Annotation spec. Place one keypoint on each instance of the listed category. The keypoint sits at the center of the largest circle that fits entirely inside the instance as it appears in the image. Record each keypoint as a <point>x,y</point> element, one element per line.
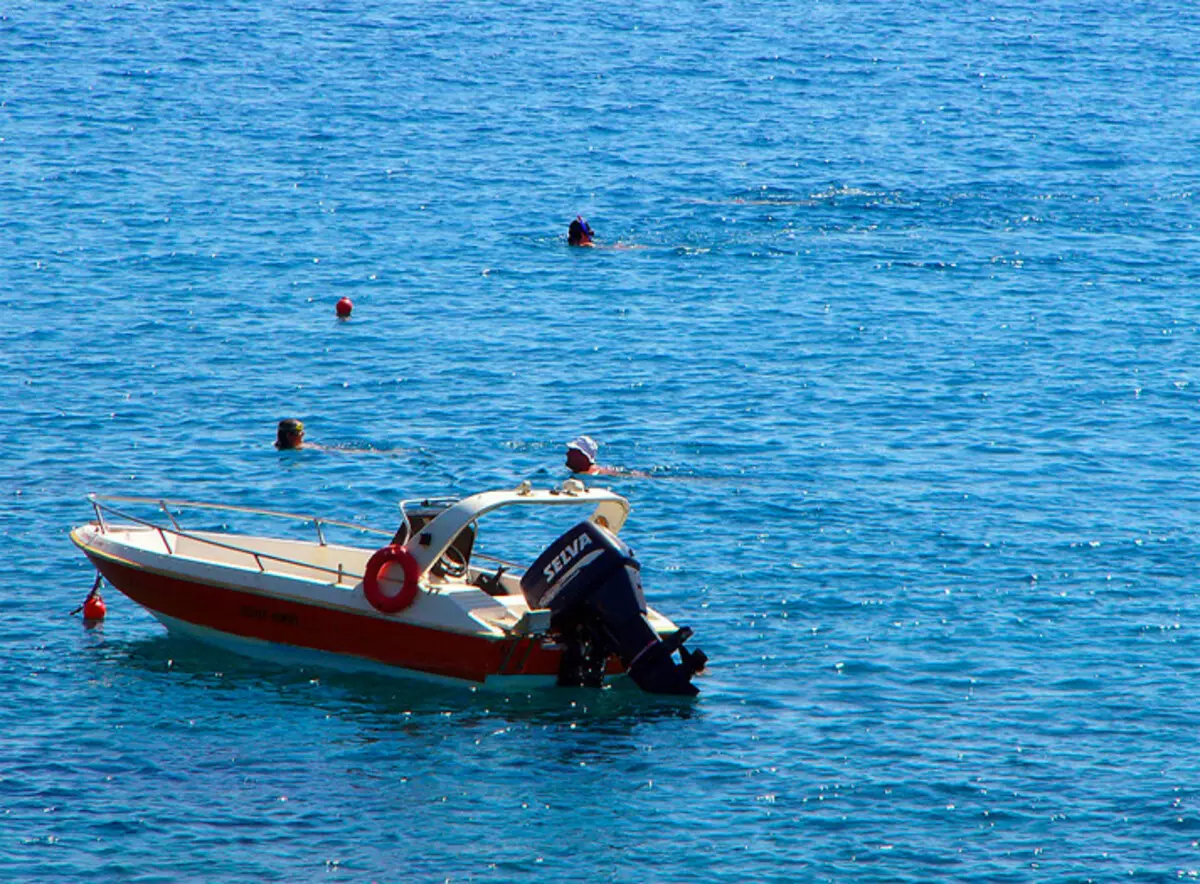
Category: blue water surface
<point>907,333</point>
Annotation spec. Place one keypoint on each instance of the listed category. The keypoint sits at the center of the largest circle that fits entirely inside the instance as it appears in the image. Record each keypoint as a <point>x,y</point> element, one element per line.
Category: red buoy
<point>94,608</point>
<point>344,308</point>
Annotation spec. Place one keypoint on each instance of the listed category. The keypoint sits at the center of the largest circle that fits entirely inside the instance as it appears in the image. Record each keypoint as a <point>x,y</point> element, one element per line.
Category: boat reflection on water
<point>377,703</point>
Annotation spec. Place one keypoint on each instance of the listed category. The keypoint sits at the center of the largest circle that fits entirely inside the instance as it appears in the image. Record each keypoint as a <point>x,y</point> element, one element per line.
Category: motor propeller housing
<point>592,584</point>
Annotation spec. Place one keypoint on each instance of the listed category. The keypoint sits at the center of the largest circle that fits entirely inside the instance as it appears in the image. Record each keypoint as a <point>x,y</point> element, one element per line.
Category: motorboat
<point>425,600</point>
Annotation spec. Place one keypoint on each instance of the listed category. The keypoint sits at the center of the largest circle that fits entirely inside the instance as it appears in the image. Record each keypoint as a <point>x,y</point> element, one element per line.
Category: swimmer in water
<point>290,437</point>
<point>581,459</point>
<point>579,233</point>
<point>290,434</point>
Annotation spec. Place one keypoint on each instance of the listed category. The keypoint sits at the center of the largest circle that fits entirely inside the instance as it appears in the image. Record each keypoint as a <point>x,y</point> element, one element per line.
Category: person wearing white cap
<point>581,458</point>
<point>581,454</point>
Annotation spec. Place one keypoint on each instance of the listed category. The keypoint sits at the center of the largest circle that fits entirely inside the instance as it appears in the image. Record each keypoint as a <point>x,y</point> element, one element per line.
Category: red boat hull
<point>380,639</point>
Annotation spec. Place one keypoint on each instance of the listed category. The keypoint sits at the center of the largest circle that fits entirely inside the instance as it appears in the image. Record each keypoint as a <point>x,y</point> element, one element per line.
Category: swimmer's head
<point>290,434</point>
<point>579,233</point>
<point>581,454</point>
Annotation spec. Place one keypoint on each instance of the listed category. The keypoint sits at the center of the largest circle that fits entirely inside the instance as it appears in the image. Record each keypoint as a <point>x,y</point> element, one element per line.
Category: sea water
<point>905,330</point>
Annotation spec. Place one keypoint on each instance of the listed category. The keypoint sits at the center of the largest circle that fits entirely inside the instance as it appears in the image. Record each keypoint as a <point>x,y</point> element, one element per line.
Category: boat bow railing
<point>104,504</point>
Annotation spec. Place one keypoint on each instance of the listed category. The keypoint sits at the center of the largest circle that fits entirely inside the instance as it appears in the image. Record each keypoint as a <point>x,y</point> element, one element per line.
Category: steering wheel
<point>452,564</point>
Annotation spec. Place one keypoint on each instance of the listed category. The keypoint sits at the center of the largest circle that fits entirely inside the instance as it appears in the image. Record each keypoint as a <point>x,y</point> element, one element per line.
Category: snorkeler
<point>579,233</point>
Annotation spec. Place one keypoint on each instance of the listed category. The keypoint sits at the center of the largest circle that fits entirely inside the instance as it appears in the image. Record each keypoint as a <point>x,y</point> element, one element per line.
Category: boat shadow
<point>195,665</point>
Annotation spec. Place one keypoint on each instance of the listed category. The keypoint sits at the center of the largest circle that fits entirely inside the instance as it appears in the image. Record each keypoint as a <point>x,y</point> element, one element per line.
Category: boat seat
<point>492,584</point>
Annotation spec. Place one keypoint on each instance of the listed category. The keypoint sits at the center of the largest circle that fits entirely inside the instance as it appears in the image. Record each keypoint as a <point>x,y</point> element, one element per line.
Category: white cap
<point>586,445</point>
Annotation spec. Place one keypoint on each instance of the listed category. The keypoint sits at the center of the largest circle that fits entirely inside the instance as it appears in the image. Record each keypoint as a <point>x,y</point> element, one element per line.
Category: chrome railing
<point>104,504</point>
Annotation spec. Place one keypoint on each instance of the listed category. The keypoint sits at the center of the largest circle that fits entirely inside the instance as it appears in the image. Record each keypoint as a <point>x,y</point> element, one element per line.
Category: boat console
<point>591,583</point>
<point>455,560</point>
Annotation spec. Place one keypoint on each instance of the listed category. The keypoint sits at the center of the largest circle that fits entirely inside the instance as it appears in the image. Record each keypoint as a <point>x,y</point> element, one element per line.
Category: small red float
<point>94,608</point>
<point>344,308</point>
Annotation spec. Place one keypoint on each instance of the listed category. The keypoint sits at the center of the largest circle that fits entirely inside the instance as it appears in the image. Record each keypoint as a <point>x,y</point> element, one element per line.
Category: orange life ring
<point>390,604</point>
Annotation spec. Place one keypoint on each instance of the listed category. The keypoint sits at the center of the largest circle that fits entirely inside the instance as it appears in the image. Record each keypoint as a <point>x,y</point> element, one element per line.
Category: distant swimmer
<point>579,233</point>
<point>290,434</point>
<point>290,437</point>
<point>581,459</point>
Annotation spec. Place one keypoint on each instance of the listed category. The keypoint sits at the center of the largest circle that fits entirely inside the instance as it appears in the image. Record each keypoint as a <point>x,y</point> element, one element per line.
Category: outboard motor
<point>592,585</point>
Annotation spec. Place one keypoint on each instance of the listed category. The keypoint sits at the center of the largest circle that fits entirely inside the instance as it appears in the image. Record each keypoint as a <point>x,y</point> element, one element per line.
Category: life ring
<point>381,601</point>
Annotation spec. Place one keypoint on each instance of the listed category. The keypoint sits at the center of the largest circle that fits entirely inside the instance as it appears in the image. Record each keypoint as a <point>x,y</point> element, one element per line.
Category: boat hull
<point>272,627</point>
